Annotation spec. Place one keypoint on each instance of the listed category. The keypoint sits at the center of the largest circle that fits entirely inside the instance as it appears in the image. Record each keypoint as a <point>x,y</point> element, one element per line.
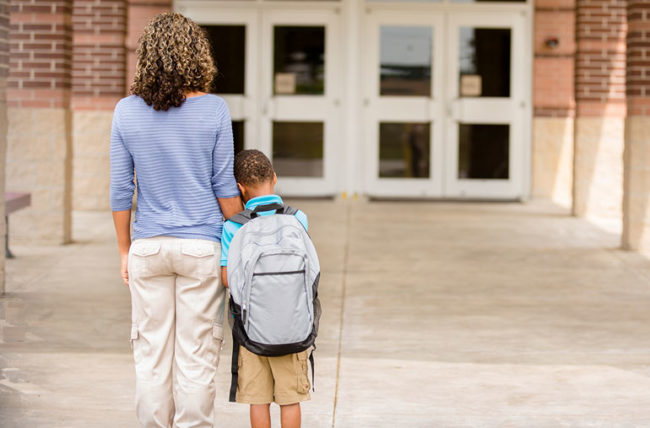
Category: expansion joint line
<point>346,253</point>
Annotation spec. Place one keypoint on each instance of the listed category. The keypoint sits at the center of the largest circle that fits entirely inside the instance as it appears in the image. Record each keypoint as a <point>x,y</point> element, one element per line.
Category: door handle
<point>268,107</point>
<point>454,109</point>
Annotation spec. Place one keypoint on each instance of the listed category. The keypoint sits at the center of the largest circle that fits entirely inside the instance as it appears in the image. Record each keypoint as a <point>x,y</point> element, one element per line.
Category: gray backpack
<point>273,274</point>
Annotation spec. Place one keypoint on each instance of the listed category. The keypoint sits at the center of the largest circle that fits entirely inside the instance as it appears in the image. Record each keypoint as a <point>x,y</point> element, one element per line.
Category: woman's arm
<point>230,206</point>
<point>223,179</point>
<point>122,220</point>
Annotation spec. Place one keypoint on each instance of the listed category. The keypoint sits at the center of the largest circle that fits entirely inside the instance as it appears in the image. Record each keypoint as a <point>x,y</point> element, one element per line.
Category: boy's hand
<point>224,276</point>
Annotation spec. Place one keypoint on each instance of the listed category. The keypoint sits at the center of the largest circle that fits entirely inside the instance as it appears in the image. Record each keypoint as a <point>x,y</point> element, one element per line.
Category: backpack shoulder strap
<point>289,210</point>
<point>242,217</point>
<point>245,216</point>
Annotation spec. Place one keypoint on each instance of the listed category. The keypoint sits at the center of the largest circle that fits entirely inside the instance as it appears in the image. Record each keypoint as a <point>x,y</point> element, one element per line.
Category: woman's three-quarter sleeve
<point>223,179</point>
<point>122,184</point>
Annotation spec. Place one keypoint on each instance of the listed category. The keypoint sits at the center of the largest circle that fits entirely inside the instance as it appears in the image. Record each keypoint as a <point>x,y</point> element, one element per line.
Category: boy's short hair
<point>252,167</point>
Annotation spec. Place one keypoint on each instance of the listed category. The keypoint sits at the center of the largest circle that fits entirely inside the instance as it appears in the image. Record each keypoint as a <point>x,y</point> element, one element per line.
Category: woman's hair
<point>252,167</point>
<point>173,58</point>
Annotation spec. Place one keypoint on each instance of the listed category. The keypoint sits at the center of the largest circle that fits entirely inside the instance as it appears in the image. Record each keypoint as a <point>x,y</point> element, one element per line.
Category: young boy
<point>263,380</point>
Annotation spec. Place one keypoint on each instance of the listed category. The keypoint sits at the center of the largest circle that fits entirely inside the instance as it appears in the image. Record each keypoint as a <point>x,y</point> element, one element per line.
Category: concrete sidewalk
<point>435,315</point>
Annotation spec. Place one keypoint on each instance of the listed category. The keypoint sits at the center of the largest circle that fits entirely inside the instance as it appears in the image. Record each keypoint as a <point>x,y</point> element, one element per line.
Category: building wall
<point>39,144</point>
<point>554,101</point>
<point>636,203</point>
<point>601,108</point>
<point>98,82</point>
<point>4,72</point>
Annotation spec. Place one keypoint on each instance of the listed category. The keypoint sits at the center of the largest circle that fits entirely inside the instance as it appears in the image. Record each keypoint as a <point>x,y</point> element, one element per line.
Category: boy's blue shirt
<point>230,228</point>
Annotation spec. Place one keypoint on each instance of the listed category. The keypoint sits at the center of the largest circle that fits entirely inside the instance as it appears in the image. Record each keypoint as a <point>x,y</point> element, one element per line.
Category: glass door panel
<point>486,107</point>
<point>484,62</point>
<point>299,60</point>
<point>405,60</point>
<point>298,149</point>
<point>404,150</point>
<point>404,104</point>
<point>228,43</point>
<point>300,117</point>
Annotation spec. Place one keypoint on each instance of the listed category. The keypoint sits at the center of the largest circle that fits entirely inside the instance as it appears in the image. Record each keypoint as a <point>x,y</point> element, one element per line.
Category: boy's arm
<point>224,276</point>
<point>228,231</point>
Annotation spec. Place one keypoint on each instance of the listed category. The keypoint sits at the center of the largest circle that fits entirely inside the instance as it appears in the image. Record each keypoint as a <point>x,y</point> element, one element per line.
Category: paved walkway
<point>435,315</point>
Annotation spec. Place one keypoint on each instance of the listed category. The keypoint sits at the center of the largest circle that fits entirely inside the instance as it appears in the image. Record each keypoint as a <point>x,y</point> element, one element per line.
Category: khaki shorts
<point>263,380</point>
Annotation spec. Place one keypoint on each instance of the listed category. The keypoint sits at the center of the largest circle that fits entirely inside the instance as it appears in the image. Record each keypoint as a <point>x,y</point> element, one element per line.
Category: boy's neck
<point>256,192</point>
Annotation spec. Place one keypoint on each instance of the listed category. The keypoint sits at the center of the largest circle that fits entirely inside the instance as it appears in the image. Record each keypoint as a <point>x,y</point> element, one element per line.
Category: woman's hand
<point>122,220</point>
<point>124,268</point>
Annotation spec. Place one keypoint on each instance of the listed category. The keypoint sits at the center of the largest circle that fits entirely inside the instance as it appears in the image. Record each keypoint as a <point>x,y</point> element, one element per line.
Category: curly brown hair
<point>173,58</point>
<point>252,167</point>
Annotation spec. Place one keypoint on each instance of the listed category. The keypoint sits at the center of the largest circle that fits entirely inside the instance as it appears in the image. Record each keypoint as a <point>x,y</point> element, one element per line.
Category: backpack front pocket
<point>278,302</point>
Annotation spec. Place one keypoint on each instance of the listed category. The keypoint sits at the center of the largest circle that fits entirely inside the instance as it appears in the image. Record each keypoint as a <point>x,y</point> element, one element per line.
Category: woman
<point>178,140</point>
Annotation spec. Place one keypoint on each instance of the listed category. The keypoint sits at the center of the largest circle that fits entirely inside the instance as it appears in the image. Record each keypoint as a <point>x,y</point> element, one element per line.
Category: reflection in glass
<point>404,150</point>
<point>298,149</point>
<point>483,151</point>
<point>229,53</point>
<point>484,62</point>
<point>299,60</point>
<point>405,60</point>
<point>238,135</point>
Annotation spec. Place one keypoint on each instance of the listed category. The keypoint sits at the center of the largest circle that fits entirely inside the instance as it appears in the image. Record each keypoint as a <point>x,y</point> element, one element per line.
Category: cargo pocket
<point>217,335</point>
<point>303,377</point>
<point>202,258</point>
<point>134,338</point>
<point>142,260</point>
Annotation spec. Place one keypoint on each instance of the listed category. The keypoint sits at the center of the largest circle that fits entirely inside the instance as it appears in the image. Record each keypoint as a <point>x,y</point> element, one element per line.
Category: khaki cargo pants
<point>177,304</point>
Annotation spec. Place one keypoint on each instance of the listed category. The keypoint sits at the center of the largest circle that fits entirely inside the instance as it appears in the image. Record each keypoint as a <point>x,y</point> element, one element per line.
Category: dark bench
<point>14,201</point>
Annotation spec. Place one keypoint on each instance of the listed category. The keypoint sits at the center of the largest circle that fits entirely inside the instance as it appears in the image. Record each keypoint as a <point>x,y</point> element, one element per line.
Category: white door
<point>237,61</point>
<point>486,107</point>
<point>301,95</point>
<point>403,103</point>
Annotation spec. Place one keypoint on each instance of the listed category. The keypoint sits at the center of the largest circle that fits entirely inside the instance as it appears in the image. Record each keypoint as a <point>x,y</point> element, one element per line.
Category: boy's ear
<point>275,179</point>
<point>241,189</point>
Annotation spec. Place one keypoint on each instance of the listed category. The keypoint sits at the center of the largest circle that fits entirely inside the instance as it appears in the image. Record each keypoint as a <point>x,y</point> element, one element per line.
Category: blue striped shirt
<point>183,161</point>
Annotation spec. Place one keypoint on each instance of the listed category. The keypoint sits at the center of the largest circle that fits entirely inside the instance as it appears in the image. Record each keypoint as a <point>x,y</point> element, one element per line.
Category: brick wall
<point>554,93</point>
<point>99,53</point>
<point>40,54</point>
<point>600,58</point>
<point>638,58</point>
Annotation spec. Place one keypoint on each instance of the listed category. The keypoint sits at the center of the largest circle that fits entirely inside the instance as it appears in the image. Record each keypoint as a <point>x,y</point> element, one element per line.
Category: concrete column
<point>636,201</point>
<point>600,96</point>
<point>4,72</point>
<point>98,82</point>
<point>554,101</point>
<point>39,119</point>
